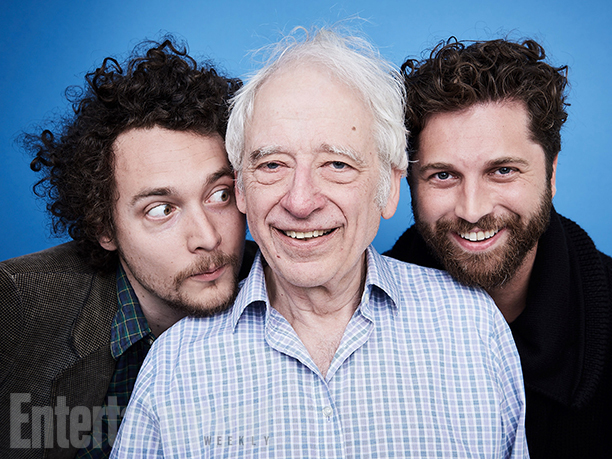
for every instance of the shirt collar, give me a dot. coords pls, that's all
(378, 274)
(252, 290)
(129, 324)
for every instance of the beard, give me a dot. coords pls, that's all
(493, 268)
(218, 296)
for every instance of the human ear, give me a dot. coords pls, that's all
(553, 177)
(107, 243)
(239, 192)
(394, 194)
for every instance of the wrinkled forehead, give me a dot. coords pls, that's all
(308, 94)
(291, 80)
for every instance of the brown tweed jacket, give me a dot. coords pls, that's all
(56, 316)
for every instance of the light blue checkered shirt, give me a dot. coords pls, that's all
(426, 368)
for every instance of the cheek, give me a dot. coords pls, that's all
(151, 254)
(228, 221)
(260, 201)
(521, 199)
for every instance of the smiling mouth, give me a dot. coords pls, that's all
(307, 234)
(474, 236)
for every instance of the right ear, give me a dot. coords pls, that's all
(107, 243)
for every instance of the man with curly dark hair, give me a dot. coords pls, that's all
(139, 178)
(484, 121)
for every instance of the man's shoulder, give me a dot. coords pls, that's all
(432, 299)
(405, 269)
(434, 286)
(192, 331)
(583, 242)
(409, 272)
(54, 297)
(190, 339)
(53, 280)
(205, 337)
(60, 258)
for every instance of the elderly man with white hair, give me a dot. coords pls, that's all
(330, 350)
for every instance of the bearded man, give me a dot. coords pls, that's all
(484, 122)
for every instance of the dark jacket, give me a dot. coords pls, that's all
(564, 338)
(56, 318)
(56, 314)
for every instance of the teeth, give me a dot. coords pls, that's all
(307, 234)
(478, 236)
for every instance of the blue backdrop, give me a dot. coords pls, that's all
(47, 46)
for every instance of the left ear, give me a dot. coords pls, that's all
(394, 194)
(107, 243)
(553, 177)
(240, 201)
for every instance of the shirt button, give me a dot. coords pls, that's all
(328, 411)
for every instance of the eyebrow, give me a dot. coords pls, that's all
(324, 147)
(508, 160)
(263, 152)
(432, 166)
(169, 191)
(493, 163)
(343, 151)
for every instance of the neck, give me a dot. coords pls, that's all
(160, 316)
(511, 298)
(319, 315)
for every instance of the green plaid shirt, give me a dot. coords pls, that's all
(131, 339)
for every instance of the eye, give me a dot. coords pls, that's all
(442, 175)
(339, 165)
(271, 170)
(220, 196)
(160, 211)
(270, 166)
(504, 170)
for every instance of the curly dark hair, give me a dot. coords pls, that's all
(458, 75)
(159, 85)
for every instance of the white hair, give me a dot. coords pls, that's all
(353, 61)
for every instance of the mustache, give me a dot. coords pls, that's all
(486, 223)
(207, 263)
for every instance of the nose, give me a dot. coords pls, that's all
(303, 196)
(201, 233)
(473, 202)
